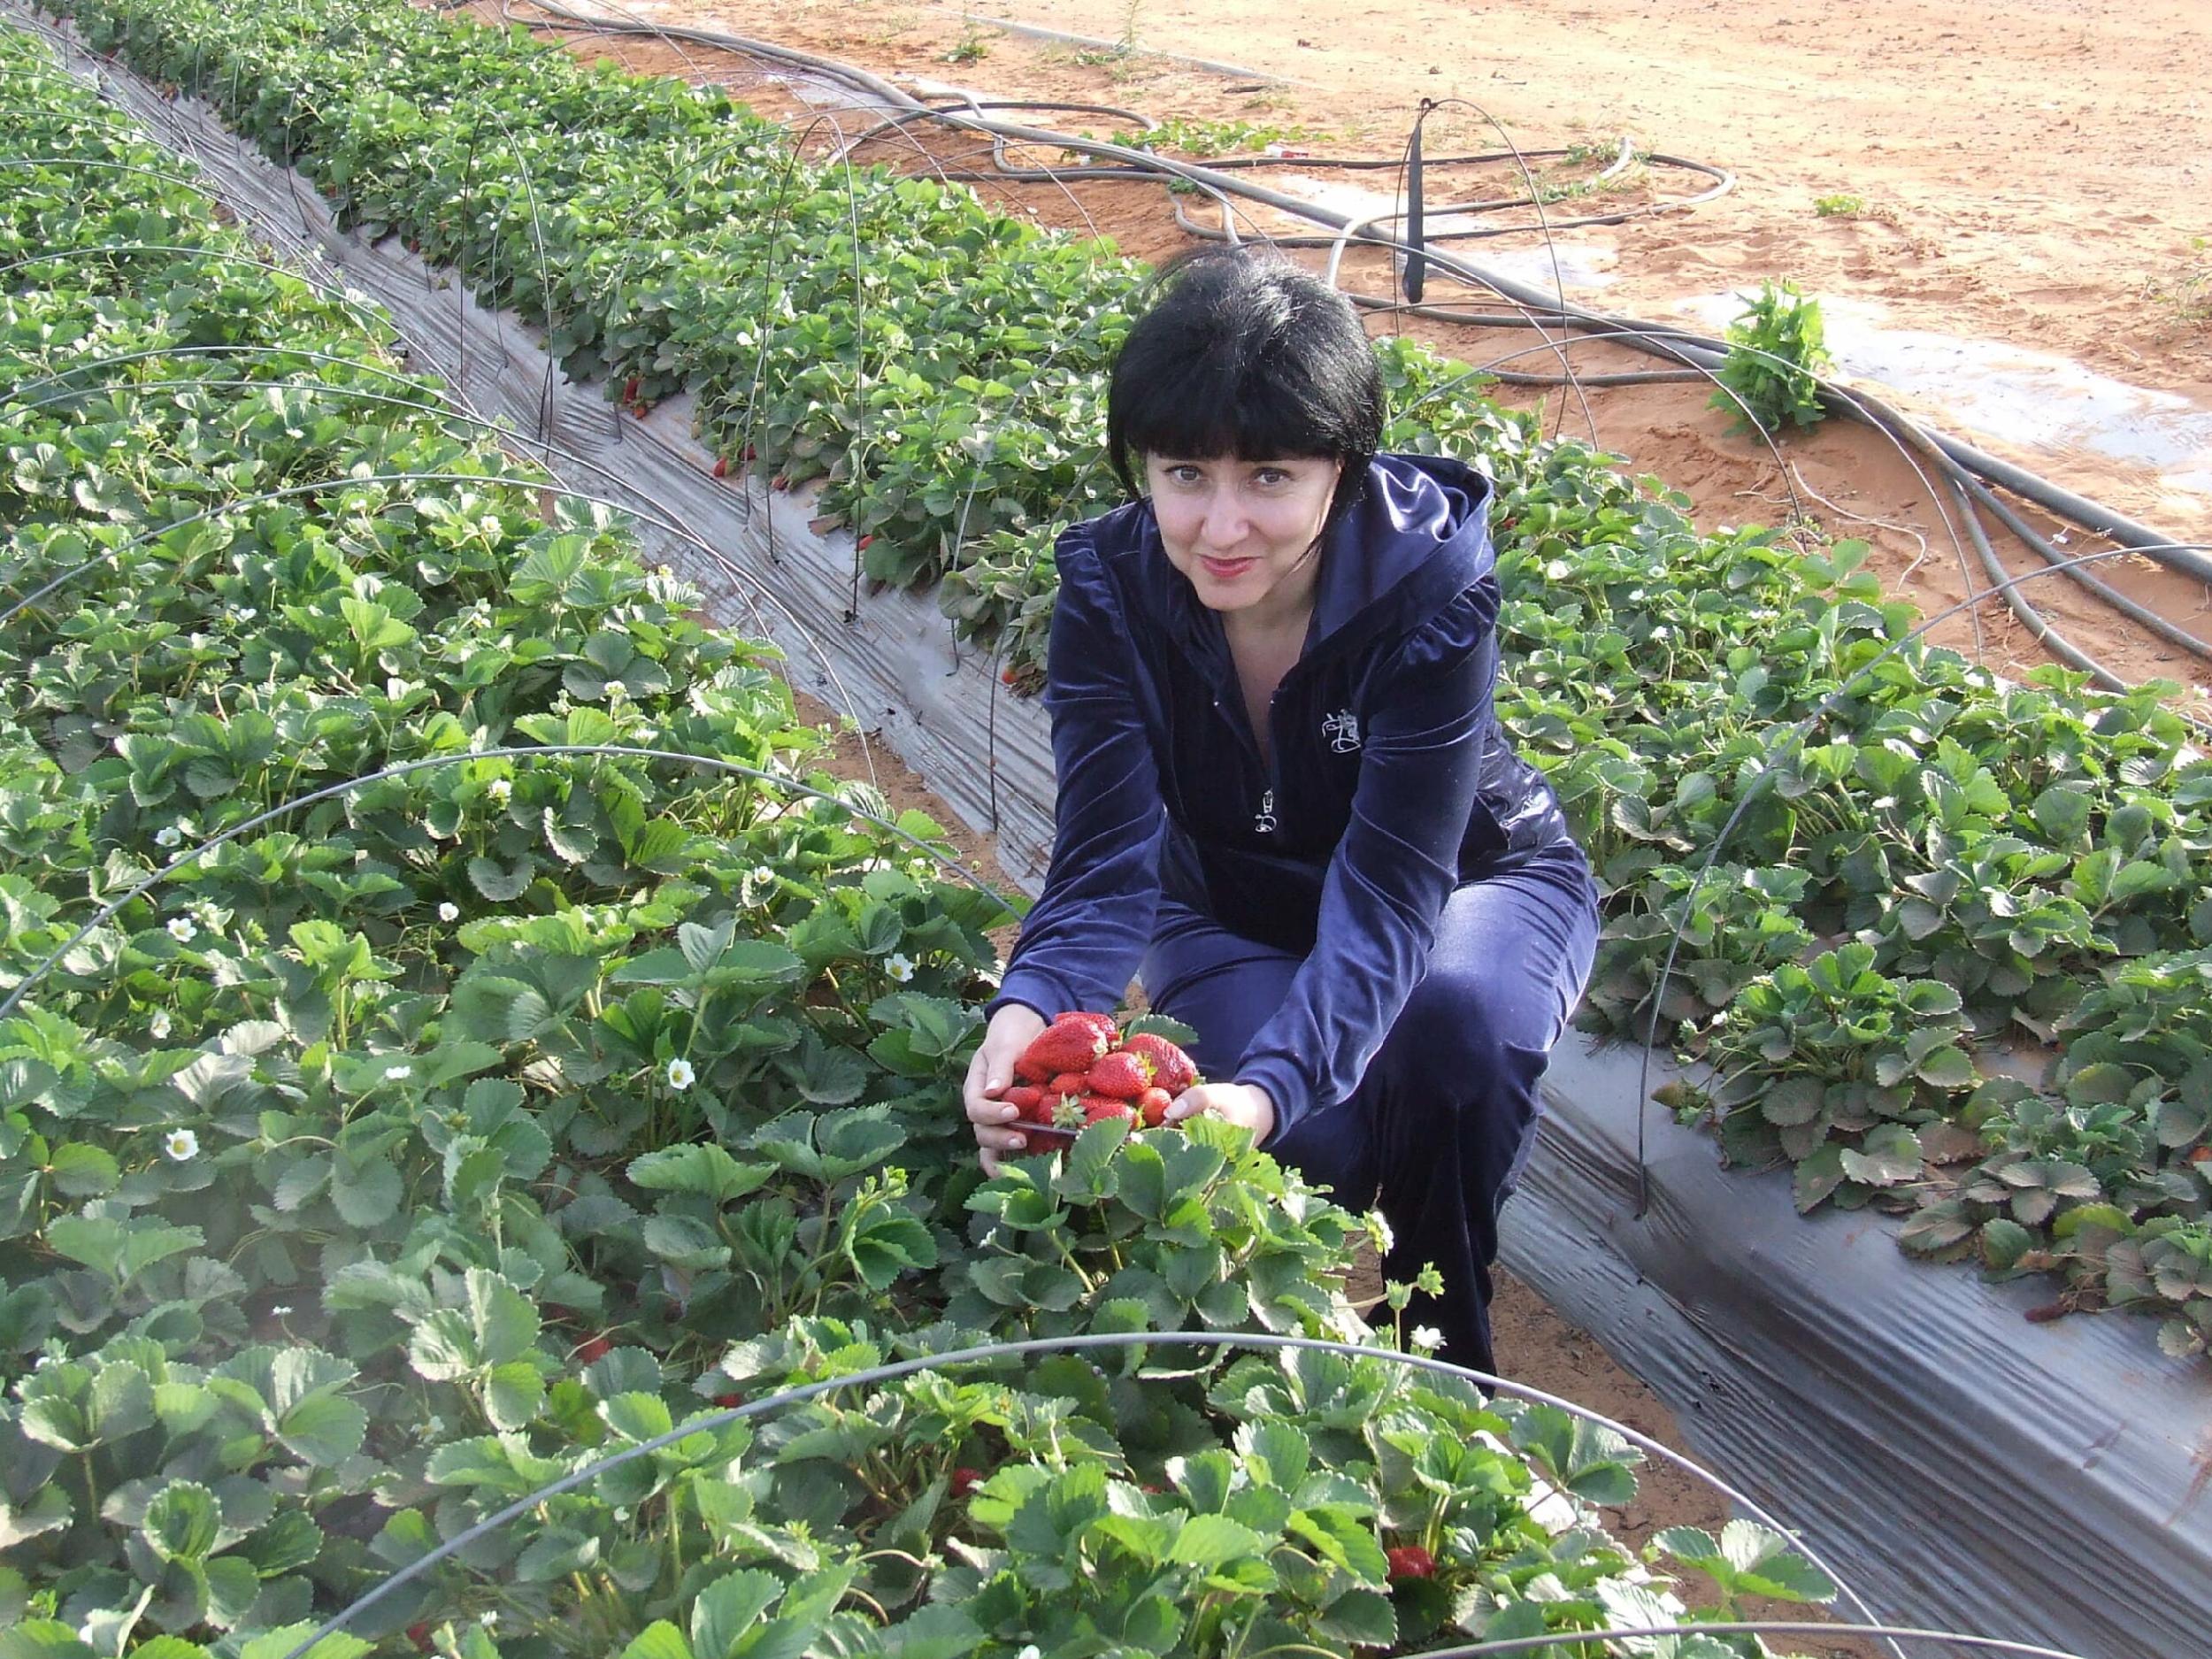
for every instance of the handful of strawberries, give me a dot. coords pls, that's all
(1081, 1070)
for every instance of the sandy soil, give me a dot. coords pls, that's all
(2029, 179)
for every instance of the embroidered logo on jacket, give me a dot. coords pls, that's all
(1342, 731)
(1263, 820)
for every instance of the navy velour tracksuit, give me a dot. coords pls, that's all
(1381, 919)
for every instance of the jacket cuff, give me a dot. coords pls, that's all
(1038, 993)
(1285, 1086)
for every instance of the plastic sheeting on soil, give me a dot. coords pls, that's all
(1961, 1466)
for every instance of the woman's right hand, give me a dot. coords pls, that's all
(1012, 1029)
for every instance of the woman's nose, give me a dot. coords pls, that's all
(1223, 524)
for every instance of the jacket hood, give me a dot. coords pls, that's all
(1414, 537)
(1418, 536)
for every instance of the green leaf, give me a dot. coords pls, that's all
(80, 1171)
(182, 1521)
(1891, 1154)
(42, 1638)
(637, 1416)
(1767, 1564)
(513, 1393)
(275, 1644)
(1949, 1068)
(505, 1324)
(365, 1194)
(660, 1640)
(1212, 1541)
(729, 1608)
(323, 1431)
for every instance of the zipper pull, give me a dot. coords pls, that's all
(1263, 820)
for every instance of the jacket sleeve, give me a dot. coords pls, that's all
(1429, 724)
(1087, 934)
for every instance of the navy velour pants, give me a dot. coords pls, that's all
(1437, 1132)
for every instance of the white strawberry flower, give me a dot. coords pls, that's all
(449, 911)
(398, 1073)
(181, 930)
(169, 835)
(499, 789)
(899, 966)
(681, 1076)
(159, 1024)
(1427, 1339)
(181, 1144)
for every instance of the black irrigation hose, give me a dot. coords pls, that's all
(1683, 346)
(2132, 609)
(1666, 341)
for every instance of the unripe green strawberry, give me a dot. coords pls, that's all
(1058, 1049)
(1172, 1069)
(1124, 1074)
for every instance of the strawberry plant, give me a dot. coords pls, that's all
(367, 1165)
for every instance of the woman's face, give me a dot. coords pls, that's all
(1241, 531)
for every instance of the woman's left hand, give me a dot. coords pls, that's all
(1246, 1105)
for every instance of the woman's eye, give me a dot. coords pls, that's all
(1271, 476)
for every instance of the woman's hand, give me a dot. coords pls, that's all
(1242, 1103)
(1012, 1029)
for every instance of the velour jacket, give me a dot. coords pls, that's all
(1386, 781)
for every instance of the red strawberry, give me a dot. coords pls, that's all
(630, 390)
(641, 409)
(780, 482)
(1007, 677)
(592, 1350)
(419, 1634)
(727, 1401)
(1172, 1069)
(1152, 1106)
(721, 466)
(1409, 1561)
(863, 543)
(1025, 1098)
(749, 451)
(1059, 1049)
(1124, 1074)
(1098, 1108)
(965, 1480)
(1102, 1024)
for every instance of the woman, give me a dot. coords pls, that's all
(1284, 797)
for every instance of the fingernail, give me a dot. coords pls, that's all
(1017, 1143)
(1008, 1114)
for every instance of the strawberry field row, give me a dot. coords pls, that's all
(1942, 864)
(409, 1152)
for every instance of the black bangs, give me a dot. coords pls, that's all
(1245, 356)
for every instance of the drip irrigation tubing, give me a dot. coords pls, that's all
(1541, 308)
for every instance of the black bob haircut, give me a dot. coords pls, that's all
(1246, 354)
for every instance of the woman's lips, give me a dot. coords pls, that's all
(1226, 570)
